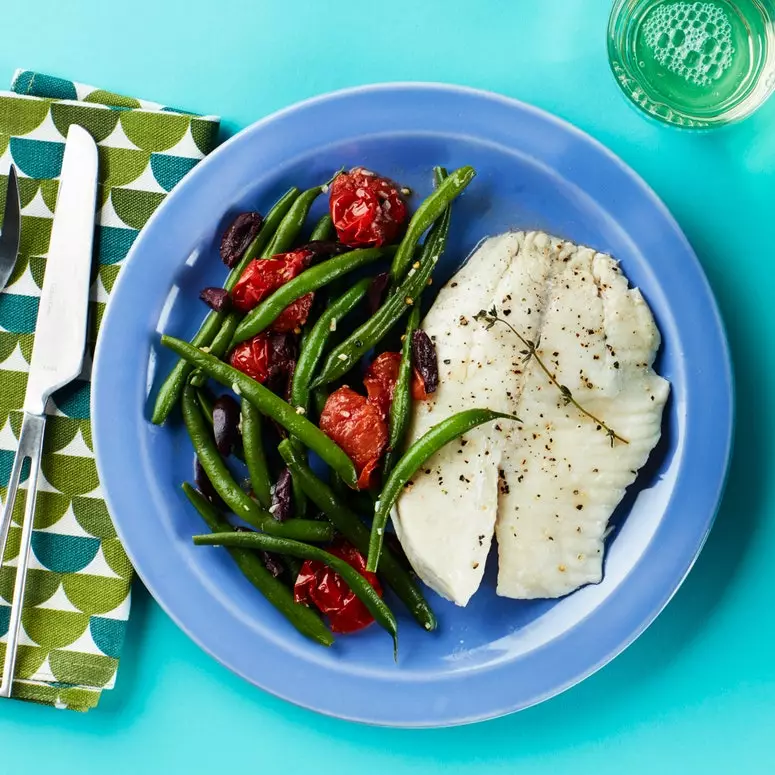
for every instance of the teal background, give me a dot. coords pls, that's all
(697, 692)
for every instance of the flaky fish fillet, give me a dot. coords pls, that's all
(549, 486)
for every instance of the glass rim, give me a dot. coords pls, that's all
(676, 116)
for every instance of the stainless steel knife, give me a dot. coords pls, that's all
(58, 350)
(11, 233)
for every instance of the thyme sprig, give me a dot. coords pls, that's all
(491, 317)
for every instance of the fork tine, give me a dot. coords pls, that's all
(10, 499)
(30, 446)
(11, 229)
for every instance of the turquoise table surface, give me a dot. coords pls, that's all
(696, 693)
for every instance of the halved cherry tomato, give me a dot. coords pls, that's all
(253, 357)
(266, 357)
(264, 276)
(366, 209)
(359, 428)
(419, 393)
(381, 378)
(294, 315)
(318, 585)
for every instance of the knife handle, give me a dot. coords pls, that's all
(30, 446)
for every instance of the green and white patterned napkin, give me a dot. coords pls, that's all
(77, 600)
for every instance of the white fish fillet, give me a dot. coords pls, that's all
(547, 487)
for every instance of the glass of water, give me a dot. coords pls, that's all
(694, 64)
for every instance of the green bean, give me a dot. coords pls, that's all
(319, 397)
(287, 230)
(270, 405)
(337, 485)
(357, 583)
(170, 390)
(315, 343)
(361, 502)
(422, 449)
(343, 357)
(324, 229)
(350, 526)
(206, 404)
(426, 214)
(298, 498)
(293, 223)
(231, 493)
(401, 406)
(311, 350)
(262, 316)
(263, 248)
(255, 458)
(294, 567)
(223, 338)
(304, 619)
(219, 346)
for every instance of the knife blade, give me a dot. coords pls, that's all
(57, 353)
(60, 333)
(11, 233)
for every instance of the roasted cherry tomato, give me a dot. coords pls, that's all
(253, 357)
(359, 428)
(366, 209)
(322, 587)
(295, 315)
(266, 357)
(264, 276)
(381, 378)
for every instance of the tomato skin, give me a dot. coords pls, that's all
(267, 357)
(294, 315)
(367, 210)
(359, 428)
(418, 387)
(263, 276)
(322, 587)
(253, 357)
(260, 278)
(369, 474)
(380, 381)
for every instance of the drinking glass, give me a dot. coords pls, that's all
(694, 64)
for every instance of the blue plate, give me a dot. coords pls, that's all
(535, 172)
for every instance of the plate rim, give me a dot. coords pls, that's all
(669, 219)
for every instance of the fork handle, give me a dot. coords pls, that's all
(30, 446)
